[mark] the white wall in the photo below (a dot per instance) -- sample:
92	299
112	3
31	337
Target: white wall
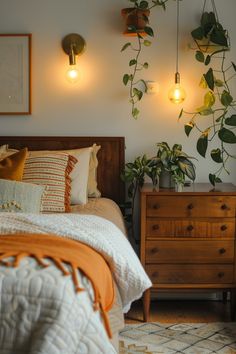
99	104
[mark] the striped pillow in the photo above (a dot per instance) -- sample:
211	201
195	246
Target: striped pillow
52	170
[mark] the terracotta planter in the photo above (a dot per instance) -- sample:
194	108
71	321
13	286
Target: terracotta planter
137	18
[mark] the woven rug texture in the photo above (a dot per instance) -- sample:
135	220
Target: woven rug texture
186	338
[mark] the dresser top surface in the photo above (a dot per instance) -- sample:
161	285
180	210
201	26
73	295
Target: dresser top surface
194	188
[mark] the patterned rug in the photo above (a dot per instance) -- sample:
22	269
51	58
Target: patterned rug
186	338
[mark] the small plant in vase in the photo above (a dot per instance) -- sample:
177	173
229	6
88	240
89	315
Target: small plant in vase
138	26
174	165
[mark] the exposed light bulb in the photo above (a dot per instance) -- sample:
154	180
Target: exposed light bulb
177	94
73	74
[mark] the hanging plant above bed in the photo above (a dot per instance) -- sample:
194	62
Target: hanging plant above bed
138	26
215	120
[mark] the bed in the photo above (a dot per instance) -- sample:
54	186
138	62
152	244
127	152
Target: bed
40	313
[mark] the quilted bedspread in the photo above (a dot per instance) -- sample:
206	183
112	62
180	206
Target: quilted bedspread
39	311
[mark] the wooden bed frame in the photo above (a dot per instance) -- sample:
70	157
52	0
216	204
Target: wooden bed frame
111	157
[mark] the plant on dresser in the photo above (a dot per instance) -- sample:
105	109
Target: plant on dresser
188	240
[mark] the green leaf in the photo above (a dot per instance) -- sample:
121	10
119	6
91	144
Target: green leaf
147	43
219	83
208	59
126	79
216	155
234	66
137	93
198	33
188	128
209	99
209	77
231	120
202	145
135	113
199	56
226	99
227	136
187	167
145	65
132	62
219	37
125	46
149	31
181	113
212	179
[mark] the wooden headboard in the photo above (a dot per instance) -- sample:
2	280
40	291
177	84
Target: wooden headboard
111	157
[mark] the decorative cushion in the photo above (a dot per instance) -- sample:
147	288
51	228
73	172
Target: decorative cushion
20	196
92	180
12	166
81	187
52	170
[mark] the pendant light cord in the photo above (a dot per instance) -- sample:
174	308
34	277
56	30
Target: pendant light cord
177	38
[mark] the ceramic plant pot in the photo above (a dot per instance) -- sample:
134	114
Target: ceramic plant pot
166	180
135	17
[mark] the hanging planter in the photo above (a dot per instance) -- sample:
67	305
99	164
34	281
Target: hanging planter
136	20
210	36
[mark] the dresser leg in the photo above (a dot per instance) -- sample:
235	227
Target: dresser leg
233	304
146	305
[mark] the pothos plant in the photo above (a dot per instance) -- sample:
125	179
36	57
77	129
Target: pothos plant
215	120
130	79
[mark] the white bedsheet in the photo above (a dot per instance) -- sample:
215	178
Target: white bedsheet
39	310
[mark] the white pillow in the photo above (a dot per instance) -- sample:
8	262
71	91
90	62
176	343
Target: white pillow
28	196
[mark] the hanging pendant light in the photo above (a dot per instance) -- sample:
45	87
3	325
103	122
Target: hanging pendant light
177	93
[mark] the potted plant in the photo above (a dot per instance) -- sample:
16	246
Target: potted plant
134	175
174	165
218	109
138	26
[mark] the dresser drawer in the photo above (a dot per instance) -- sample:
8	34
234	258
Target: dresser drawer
190	274
189	251
190	206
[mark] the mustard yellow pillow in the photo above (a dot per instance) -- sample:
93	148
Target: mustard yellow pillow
92	179
12	167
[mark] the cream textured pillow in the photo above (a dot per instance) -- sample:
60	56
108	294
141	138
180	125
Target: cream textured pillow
52	170
92	181
27	196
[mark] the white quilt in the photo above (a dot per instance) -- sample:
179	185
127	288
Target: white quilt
39	310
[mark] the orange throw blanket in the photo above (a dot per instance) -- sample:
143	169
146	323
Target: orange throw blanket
62	250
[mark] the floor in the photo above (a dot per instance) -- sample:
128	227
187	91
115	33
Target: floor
181	311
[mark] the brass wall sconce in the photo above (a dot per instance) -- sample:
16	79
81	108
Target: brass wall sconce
73	45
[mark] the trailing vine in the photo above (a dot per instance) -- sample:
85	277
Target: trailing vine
130	79
217	114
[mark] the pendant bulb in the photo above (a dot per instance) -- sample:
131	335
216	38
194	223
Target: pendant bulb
177	93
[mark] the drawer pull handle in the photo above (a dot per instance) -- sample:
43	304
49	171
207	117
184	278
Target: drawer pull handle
224	227
154	250
155	227
190	228
222	250
221	274
224	207
156	206
190	206
155	275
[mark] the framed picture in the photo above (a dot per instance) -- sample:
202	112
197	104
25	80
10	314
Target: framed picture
15	74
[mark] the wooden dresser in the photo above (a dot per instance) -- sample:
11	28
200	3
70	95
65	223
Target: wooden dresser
188	240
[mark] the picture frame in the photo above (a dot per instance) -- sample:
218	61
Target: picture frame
15	74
